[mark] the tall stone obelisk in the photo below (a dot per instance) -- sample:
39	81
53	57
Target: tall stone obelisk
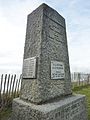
46	72
46	83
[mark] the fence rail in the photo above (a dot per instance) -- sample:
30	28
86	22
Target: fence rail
9	89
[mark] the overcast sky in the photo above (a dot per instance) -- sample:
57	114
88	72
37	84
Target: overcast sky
13	17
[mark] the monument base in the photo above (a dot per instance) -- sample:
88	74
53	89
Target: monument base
69	108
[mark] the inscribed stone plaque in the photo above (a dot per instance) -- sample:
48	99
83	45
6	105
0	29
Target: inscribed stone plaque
57	70
29	68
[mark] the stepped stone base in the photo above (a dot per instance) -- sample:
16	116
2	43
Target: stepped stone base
69	108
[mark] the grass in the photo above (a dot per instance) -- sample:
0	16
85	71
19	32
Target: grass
85	90
6	110
5	114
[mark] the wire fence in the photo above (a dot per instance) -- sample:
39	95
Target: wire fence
80	79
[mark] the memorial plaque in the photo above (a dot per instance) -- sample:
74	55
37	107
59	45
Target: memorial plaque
57	70
29	68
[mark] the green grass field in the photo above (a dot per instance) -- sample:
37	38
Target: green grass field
78	90
85	90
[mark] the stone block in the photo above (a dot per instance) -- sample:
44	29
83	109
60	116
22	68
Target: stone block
69	108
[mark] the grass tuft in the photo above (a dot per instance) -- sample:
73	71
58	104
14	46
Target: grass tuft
5	113
84	90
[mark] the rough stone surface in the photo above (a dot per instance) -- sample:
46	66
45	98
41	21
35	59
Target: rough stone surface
46	40
71	108
44	98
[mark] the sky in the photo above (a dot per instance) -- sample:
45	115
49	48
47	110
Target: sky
13	18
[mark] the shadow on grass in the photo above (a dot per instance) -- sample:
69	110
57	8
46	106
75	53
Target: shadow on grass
5	113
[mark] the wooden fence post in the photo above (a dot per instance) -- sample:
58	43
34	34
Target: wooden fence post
19	85
1	88
13	85
7	92
10	85
15	95
79	79
88	79
4	97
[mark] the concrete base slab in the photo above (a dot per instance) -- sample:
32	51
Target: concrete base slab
69	108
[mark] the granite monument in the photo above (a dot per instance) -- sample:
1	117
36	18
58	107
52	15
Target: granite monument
46	83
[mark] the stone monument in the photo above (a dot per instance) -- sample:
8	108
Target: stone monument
46	83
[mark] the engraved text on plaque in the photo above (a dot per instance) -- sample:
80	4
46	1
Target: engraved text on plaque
57	70
29	68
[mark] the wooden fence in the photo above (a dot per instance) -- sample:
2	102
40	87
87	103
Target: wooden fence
9	89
